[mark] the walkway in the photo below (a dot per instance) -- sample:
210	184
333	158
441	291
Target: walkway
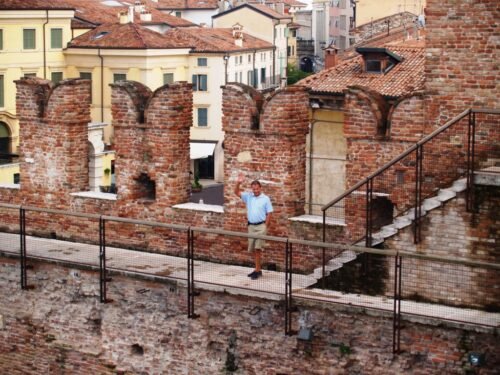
228	278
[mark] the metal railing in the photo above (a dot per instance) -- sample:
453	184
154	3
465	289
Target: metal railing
400	187
397	283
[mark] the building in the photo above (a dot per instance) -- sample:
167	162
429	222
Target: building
196	11
264	23
386	77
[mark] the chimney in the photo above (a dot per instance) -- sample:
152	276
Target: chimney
139	6
146	16
280	8
123	16
131	14
238	34
331	58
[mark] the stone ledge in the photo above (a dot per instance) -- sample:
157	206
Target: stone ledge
95	195
10	186
200	207
314	219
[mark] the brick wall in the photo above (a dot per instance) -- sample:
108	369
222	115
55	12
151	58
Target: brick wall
461	64
60	327
450	231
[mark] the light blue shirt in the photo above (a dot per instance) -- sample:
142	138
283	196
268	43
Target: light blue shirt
257	207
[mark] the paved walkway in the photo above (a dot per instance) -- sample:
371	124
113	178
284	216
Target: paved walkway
229	278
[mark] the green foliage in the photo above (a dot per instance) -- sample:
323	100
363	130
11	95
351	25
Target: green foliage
294	74
344	349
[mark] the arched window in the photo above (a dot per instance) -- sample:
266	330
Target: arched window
4	143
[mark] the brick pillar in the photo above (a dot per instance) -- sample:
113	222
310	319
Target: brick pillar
128	100
53	123
152	143
169	119
266	141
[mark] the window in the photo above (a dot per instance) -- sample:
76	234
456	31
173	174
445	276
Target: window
252	78
1	39
56	77
55	38
241	59
29	75
29	39
202	61
168	78
2	102
249	58
373	66
241	77
262	75
289	51
86	75
199	82
17	178
178	14
202	117
117	77
236	77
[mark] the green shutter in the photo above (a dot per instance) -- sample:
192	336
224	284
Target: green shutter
56	77
119	77
55	38
203	82
168	78
1	39
1	92
86	75
202	116
29	39
195	82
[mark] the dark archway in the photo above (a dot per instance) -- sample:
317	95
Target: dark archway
306	64
5	150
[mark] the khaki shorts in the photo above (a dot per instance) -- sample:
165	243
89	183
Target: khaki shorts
253	243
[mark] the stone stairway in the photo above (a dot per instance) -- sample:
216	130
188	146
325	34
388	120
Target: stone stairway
390	230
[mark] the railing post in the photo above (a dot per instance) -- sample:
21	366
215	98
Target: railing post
102	261
418	194
288	288
396	319
369	198
470	161
190	274
22	238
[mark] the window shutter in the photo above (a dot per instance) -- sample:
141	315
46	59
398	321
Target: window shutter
55	38
195	82
203	82
1	92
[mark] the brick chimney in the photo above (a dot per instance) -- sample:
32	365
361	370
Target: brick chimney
238	34
331	58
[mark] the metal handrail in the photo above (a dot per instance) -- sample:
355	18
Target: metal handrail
409	151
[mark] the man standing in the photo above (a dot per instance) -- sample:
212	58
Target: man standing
259	210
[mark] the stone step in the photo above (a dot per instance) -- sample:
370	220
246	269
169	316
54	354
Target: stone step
446	194
431	203
401	222
459	185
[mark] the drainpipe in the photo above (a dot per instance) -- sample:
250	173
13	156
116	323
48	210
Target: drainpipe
274	52
102	83
44	47
255	78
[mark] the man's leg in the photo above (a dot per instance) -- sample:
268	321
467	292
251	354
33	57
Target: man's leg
258	257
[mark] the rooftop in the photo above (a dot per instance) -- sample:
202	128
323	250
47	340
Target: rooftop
187	4
260	8
96	12
135	36
405	77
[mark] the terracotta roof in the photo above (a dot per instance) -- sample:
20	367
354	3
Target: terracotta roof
33	4
289	3
125	36
216	40
404	78
187	4
98	12
134	36
260	8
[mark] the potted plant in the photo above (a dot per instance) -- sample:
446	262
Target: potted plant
196	186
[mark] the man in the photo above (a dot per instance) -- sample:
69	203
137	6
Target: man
259	210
